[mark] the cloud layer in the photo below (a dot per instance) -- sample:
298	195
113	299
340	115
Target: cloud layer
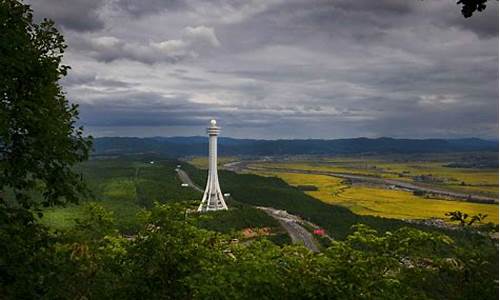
281	69
195	40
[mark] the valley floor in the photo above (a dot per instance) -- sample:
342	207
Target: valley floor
405	189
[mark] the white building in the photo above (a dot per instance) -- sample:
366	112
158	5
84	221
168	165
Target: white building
212	197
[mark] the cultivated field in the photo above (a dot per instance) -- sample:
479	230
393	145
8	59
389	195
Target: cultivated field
371	200
363	198
467	180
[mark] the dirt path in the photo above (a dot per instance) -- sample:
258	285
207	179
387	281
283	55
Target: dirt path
290	223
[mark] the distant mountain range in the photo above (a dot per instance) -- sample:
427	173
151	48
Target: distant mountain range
197	145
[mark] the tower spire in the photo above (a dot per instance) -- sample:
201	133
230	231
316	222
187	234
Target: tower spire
212	197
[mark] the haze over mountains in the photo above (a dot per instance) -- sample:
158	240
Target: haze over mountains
197	145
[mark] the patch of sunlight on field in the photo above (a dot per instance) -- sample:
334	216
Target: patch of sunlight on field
382	202
62	217
201	162
322	182
467	180
117	195
123	189
405	205
316	167
467	175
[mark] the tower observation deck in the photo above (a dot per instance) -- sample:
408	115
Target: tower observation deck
212	197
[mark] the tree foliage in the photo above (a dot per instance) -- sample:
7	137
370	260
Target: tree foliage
471	6
463	218
172	258
39	141
39	144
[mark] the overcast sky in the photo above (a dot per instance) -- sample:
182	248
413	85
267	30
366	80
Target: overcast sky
280	68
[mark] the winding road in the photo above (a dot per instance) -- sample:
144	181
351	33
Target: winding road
289	222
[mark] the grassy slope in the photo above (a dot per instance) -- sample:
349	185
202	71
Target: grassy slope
236	219
125	186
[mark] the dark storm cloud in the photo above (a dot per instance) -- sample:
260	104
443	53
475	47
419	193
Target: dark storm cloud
78	79
88	79
192	42
79	15
145	7
376	7
282	68
484	25
146	109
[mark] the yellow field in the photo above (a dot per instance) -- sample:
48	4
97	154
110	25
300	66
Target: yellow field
478	181
318	167
383	202
201	162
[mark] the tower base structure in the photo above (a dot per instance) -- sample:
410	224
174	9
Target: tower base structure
212	197
212	202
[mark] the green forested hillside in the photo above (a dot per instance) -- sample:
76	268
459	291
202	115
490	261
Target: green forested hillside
123	245
274	192
170	257
182	146
126	186
168	254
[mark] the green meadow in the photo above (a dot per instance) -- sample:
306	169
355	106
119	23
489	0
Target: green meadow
127	186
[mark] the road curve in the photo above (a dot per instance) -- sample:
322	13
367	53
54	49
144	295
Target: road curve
289	222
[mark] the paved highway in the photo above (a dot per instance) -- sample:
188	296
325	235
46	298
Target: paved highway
289	222
184	177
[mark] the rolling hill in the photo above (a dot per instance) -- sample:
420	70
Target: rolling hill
197	145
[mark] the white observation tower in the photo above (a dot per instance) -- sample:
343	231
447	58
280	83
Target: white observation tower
212	197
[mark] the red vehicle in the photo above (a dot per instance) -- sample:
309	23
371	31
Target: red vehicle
319	231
